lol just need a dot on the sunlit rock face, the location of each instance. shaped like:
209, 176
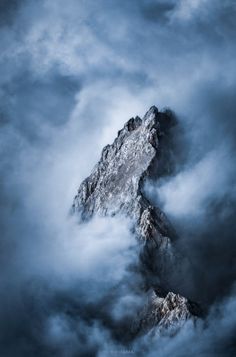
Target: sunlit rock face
116, 182
115, 186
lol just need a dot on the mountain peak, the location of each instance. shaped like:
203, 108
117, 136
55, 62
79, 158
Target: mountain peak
116, 186
152, 111
116, 182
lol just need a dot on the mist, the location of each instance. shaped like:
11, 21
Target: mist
71, 75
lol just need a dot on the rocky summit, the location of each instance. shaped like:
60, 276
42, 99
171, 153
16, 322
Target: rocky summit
141, 151
116, 182
165, 315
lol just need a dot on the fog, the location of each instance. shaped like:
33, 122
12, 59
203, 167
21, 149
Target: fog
71, 75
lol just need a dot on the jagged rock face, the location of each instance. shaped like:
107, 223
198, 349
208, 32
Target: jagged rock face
116, 183
116, 186
162, 314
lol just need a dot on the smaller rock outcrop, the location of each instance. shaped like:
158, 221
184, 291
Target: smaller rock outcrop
165, 314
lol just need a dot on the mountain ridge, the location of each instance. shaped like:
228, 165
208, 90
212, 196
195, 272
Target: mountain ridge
116, 186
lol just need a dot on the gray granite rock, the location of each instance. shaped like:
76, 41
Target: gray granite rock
116, 182
116, 186
165, 315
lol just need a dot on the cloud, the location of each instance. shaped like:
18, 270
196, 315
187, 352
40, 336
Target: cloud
212, 338
70, 77
190, 192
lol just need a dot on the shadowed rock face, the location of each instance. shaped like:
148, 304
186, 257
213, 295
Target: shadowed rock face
115, 186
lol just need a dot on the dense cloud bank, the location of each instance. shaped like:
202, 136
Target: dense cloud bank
71, 74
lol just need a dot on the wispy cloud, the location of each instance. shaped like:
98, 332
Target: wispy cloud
70, 76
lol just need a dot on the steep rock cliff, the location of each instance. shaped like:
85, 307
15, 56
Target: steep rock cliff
140, 151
